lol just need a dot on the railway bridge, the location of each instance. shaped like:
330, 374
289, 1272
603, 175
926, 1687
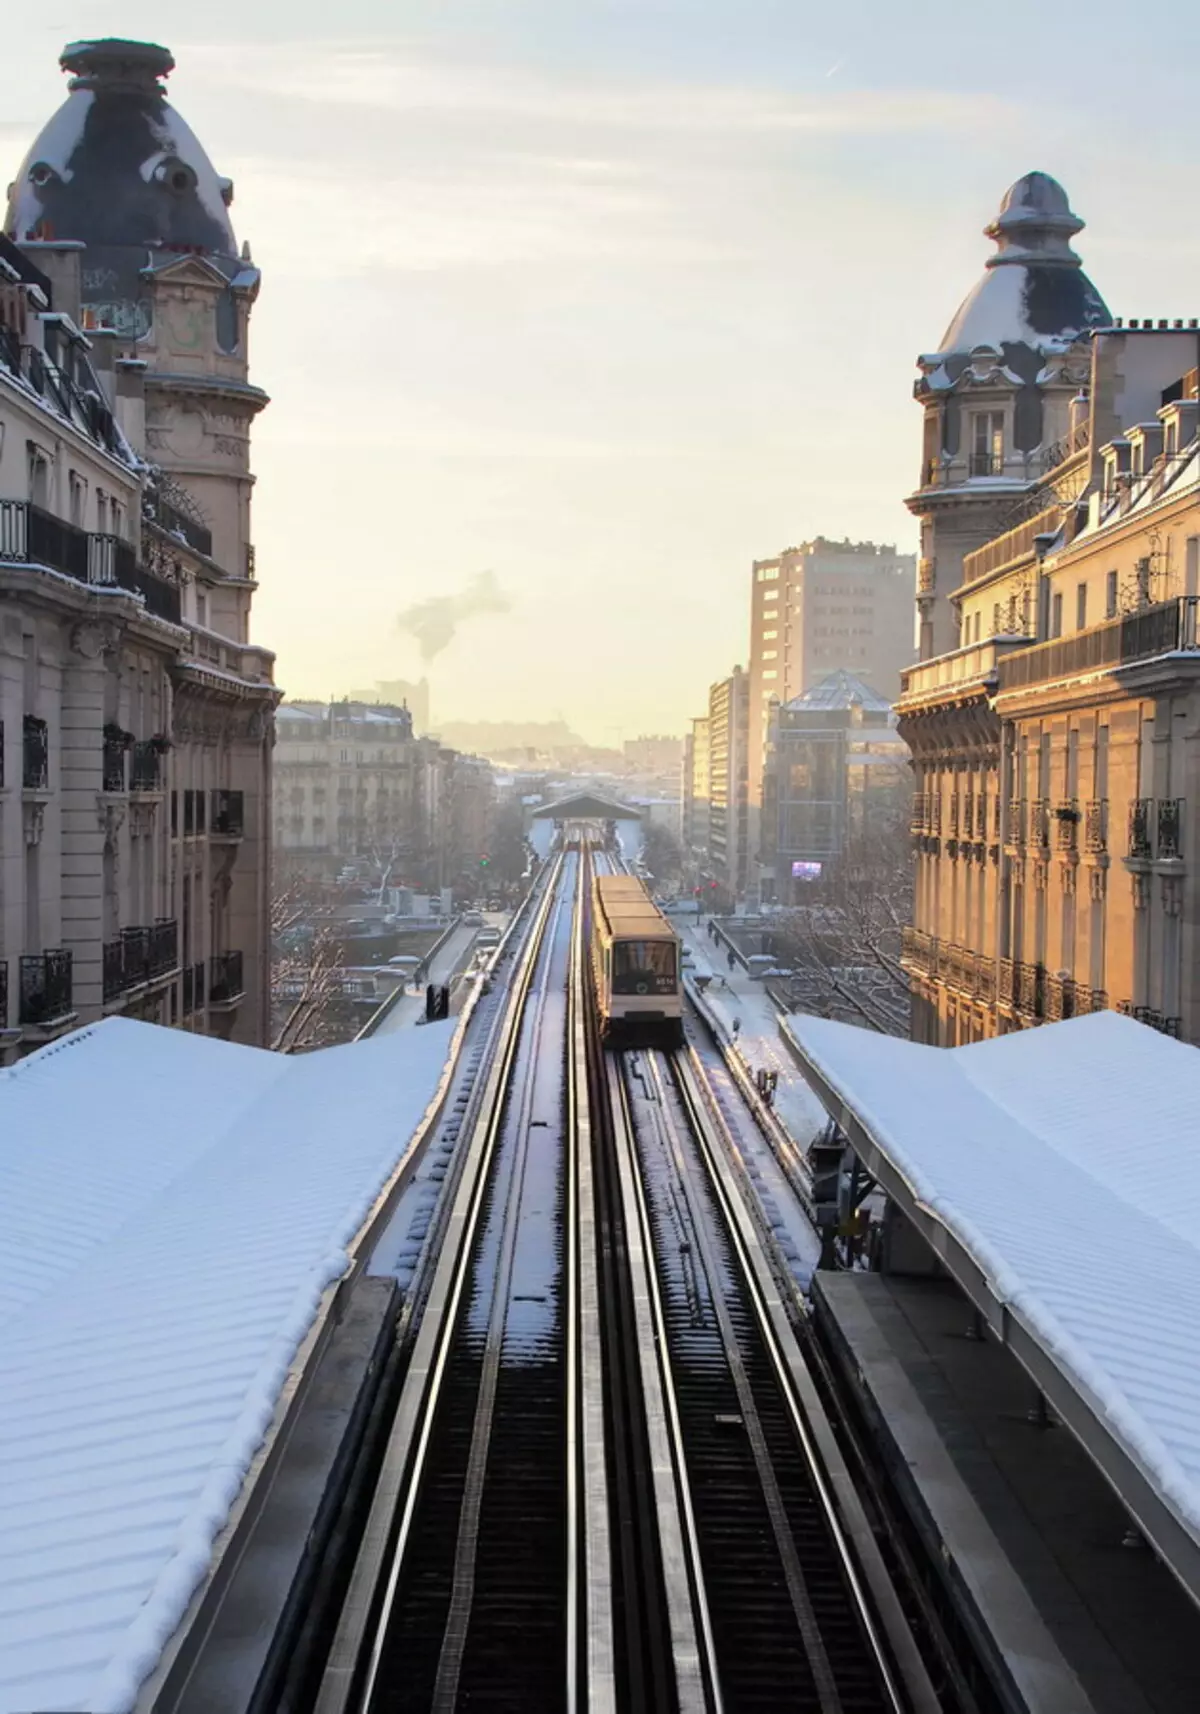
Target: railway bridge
497, 1377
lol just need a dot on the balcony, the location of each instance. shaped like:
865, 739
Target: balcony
45, 997
3, 995
1141, 811
35, 754
1012, 547
193, 989
918, 952
228, 815
986, 464
225, 984
960, 673
80, 405
1169, 627
1016, 821
1039, 821
1066, 816
1170, 827
145, 774
1031, 990
31, 536
1063, 999
139, 956
1096, 834
116, 743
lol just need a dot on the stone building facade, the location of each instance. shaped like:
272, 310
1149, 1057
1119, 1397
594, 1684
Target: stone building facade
127, 575
1057, 794
357, 792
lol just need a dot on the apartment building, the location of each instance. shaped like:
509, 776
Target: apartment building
824, 607
355, 789
693, 794
1057, 808
134, 824
726, 857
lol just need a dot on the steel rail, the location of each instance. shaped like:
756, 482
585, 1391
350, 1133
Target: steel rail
692, 1644
587, 1484
903, 1673
349, 1681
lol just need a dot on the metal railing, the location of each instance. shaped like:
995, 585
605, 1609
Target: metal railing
35, 754
145, 774
1014, 545
113, 763
1030, 983
1097, 824
1016, 821
1066, 814
225, 982
1170, 827
1168, 627
30, 535
193, 989
45, 979
1039, 821
227, 820
1141, 811
3, 993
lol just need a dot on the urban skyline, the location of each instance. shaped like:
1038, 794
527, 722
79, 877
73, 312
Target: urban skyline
575, 214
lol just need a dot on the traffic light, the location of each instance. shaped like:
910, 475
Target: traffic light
484, 861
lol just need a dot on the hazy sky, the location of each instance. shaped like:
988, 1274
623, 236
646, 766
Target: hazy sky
609, 297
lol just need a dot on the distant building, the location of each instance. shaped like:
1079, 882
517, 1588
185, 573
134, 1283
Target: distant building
411, 694
135, 714
822, 607
1056, 815
694, 789
727, 849
837, 771
654, 756
356, 789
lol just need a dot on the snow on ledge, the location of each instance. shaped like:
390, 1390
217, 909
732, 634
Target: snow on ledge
1066, 1160
172, 1209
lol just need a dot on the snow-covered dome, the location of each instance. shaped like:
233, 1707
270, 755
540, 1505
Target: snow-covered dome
1034, 291
116, 166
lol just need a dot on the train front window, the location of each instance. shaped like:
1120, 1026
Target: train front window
643, 967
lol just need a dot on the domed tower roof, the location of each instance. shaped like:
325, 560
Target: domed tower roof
1034, 291
116, 167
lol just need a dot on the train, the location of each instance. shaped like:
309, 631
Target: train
636, 966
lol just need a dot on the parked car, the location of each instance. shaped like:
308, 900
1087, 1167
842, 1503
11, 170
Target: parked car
473, 919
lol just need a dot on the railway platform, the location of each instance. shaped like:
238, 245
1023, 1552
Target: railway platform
1026, 1359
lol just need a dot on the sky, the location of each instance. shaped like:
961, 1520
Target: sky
589, 303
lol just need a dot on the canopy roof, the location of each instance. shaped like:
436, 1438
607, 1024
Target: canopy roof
587, 806
1056, 1171
172, 1209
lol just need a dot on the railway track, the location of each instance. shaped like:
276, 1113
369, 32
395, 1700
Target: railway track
480, 1575
610, 1482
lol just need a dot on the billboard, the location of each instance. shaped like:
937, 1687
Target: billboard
806, 871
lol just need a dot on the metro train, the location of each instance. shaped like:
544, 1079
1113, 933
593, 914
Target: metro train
636, 965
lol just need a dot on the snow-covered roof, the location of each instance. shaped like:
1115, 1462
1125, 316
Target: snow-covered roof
1063, 1165
1033, 292
172, 1209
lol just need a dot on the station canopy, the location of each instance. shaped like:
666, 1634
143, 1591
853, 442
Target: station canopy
587, 806
1056, 1173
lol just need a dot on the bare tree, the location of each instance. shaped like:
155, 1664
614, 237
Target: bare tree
308, 1004
662, 853
845, 945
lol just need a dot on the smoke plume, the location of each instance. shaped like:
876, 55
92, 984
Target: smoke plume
434, 622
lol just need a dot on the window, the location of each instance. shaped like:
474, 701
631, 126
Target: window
987, 443
1110, 595
770, 673
117, 517
39, 477
770, 595
1056, 615
769, 636
201, 608
768, 573
78, 499
1081, 607
770, 654
978, 623
996, 620
101, 511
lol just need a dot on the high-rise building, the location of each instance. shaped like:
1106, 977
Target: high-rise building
1057, 808
728, 844
823, 607
694, 794
136, 712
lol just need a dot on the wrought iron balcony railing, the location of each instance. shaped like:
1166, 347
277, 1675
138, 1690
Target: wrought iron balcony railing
1016, 821
164, 946
1039, 821
1140, 813
1170, 827
3, 993
228, 815
45, 979
1066, 815
193, 989
31, 536
35, 754
1097, 824
145, 774
225, 982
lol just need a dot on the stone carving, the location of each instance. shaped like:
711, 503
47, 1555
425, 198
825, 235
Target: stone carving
1098, 883
111, 817
91, 640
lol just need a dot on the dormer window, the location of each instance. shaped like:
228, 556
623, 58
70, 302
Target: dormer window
987, 443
